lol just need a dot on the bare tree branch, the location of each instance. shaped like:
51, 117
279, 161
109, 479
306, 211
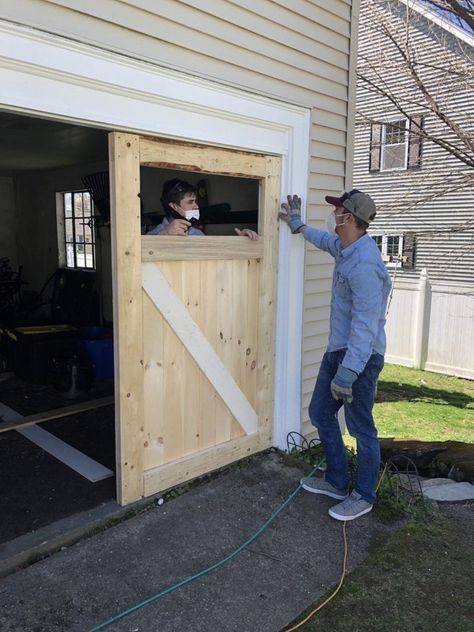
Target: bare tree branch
459, 11
405, 78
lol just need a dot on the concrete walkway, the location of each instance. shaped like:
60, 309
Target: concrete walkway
292, 563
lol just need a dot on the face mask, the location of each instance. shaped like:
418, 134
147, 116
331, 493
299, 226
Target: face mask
331, 223
193, 214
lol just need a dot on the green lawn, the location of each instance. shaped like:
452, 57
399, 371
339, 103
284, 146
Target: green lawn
422, 405
421, 576
419, 579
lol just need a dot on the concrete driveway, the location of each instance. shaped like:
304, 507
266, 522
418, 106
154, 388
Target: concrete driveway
296, 560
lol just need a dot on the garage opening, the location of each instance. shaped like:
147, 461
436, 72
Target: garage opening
57, 446
57, 426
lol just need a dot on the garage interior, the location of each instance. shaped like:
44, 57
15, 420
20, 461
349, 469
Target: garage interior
57, 424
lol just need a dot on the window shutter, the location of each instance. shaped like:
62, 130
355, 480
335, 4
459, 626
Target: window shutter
415, 142
408, 254
375, 141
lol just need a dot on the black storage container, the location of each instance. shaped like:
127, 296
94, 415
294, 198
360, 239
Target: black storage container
35, 350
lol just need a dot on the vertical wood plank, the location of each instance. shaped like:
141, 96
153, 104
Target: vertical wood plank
223, 323
128, 317
210, 401
175, 372
153, 355
251, 331
269, 205
191, 382
239, 309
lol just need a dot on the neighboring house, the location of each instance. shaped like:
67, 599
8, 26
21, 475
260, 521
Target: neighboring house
424, 193
256, 92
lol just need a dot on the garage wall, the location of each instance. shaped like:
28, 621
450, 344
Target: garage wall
36, 224
298, 52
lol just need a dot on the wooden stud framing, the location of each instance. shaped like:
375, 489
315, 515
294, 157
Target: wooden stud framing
269, 204
56, 413
202, 158
128, 318
155, 248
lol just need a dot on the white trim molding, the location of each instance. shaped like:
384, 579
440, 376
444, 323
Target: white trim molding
52, 77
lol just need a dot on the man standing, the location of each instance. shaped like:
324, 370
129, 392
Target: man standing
354, 356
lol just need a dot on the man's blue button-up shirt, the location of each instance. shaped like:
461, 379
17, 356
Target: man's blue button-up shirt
360, 289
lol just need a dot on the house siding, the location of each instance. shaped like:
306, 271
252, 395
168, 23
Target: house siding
447, 256
298, 52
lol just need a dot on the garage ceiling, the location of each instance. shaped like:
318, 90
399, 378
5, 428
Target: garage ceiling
30, 144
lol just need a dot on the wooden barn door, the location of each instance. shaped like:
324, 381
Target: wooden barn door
194, 325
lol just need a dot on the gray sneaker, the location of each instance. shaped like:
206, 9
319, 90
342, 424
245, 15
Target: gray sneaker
351, 508
320, 486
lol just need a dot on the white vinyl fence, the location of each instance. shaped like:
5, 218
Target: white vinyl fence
432, 326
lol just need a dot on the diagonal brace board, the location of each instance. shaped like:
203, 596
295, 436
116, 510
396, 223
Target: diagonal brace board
178, 317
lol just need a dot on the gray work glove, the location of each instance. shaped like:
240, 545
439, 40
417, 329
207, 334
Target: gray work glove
291, 213
341, 385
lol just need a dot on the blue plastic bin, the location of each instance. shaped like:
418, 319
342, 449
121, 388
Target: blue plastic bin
97, 342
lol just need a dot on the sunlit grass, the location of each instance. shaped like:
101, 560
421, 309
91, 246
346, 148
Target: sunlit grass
423, 405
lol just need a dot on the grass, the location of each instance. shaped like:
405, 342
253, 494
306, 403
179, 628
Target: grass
422, 405
419, 579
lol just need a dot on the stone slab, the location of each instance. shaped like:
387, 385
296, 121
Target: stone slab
450, 492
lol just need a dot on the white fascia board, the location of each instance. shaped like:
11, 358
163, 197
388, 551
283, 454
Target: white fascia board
49, 76
85, 71
439, 20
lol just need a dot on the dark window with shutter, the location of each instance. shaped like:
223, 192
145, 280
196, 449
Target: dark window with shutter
375, 146
415, 142
408, 254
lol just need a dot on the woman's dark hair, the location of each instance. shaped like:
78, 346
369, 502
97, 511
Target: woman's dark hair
174, 191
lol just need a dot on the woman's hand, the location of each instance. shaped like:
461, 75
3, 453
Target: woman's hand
246, 232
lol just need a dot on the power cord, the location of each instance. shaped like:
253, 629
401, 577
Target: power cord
343, 575
341, 581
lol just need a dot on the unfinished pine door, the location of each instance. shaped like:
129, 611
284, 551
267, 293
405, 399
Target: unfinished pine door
194, 321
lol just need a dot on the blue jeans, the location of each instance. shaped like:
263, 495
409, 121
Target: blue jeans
360, 423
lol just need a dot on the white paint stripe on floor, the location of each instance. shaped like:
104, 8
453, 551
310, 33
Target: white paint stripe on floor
76, 460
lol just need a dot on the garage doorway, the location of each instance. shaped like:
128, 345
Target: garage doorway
57, 439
